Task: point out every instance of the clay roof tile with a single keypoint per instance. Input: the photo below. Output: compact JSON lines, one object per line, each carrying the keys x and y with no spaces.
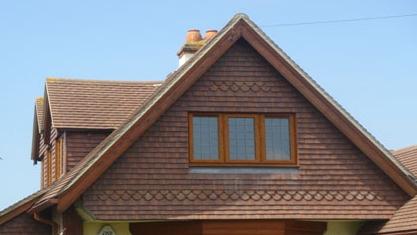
{"x":95,"y":104}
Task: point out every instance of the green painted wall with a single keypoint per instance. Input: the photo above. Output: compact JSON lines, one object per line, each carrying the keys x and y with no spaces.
{"x":92,"y":228}
{"x":342,"y":227}
{"x":333,"y":228}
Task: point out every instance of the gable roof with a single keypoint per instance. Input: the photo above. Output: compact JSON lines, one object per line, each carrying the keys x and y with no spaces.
{"x":95,"y":104}
{"x":82,"y":176}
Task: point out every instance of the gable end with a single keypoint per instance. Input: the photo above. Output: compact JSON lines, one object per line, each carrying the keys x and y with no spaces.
{"x":101,"y":158}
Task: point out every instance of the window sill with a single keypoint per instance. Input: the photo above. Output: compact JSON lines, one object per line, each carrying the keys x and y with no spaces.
{"x":247,"y":164}
{"x":244,"y":169}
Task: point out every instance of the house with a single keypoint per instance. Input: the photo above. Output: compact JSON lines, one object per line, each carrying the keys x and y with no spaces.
{"x":238,"y":140}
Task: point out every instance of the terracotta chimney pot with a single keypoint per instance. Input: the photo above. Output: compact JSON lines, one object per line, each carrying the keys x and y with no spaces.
{"x":210,"y":34}
{"x":193,"y":35}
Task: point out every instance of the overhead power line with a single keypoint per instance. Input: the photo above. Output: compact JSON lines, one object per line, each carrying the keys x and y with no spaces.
{"x":341,"y":20}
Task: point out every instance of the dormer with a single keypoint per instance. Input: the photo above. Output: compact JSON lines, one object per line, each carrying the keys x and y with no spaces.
{"x":74,"y":116}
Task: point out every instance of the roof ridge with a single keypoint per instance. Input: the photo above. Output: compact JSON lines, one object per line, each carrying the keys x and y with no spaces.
{"x":53,"y":79}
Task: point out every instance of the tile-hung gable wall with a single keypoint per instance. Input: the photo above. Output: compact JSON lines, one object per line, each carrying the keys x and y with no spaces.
{"x":153,"y":179}
{"x":79,"y":144}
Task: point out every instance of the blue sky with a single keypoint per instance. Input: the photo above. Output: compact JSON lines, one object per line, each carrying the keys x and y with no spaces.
{"x":369,"y":67}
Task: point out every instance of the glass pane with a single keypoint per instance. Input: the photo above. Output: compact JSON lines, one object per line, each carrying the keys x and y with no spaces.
{"x":277,"y":138}
{"x":205,"y":138}
{"x":241,"y":138}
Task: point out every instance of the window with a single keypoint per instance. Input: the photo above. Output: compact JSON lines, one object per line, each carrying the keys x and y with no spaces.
{"x":49,"y":168}
{"x":277,"y":138}
{"x":43,"y":176}
{"x":58,"y":157}
{"x":205,"y":138}
{"x":239,"y":139}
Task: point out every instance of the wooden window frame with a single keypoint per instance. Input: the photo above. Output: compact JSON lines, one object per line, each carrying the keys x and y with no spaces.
{"x":43,"y":173}
{"x":49,"y":179}
{"x":293,"y":139}
{"x":220,"y":138}
{"x":225,"y":133}
{"x":58,"y":157}
{"x":260,"y":143}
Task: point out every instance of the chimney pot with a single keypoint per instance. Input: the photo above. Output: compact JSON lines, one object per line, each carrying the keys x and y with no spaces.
{"x":193,"y":42}
{"x":210,"y":34}
{"x":193,"y":35}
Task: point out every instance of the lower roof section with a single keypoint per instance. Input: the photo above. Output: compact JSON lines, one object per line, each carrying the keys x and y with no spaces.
{"x":404,"y":220}
{"x":19,"y":207}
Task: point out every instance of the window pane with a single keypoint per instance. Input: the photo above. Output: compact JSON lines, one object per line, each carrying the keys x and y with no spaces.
{"x":205,"y":138}
{"x":277,"y":138}
{"x":241,"y":138}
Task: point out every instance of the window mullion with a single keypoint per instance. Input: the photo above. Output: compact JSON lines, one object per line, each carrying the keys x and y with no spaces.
{"x":293,"y":138}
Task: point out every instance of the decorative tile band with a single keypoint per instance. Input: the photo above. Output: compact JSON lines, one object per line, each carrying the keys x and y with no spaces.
{"x":235,"y":86}
{"x":214,"y":195}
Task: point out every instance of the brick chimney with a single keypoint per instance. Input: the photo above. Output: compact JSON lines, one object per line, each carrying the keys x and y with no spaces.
{"x":193,"y":42}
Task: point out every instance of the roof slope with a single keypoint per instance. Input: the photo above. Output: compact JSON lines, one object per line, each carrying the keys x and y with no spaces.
{"x":82,"y":176}
{"x":408,"y":158}
{"x":94,"y":104}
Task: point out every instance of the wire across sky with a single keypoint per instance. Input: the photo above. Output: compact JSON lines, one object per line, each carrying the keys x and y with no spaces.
{"x":347,"y":20}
